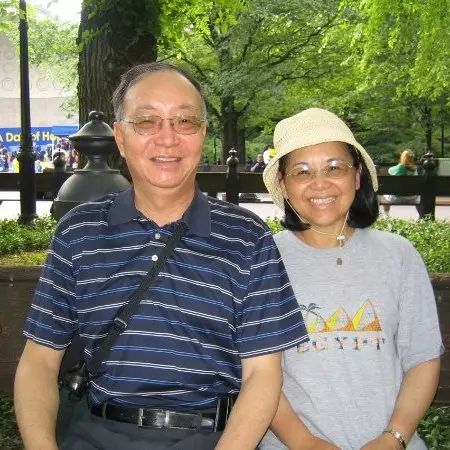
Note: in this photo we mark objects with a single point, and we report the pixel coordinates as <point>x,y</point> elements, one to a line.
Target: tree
<point>403,47</point>
<point>245,52</point>
<point>8,14</point>
<point>414,35</point>
<point>113,36</point>
<point>51,45</point>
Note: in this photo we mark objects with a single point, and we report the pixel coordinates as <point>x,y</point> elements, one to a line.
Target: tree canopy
<point>381,65</point>
<point>246,53</point>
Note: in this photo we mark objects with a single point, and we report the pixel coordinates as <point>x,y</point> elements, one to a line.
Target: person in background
<point>38,168</point>
<point>268,153</point>
<point>15,164</point>
<point>213,324</point>
<point>259,165</point>
<point>371,368</point>
<point>405,167</point>
<point>248,163</point>
<point>4,160</point>
<point>205,166</point>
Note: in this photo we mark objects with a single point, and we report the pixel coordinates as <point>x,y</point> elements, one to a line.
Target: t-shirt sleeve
<point>419,337</point>
<point>269,319</point>
<point>52,319</point>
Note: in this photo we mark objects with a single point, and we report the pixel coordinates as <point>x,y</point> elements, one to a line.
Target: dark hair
<point>133,75</point>
<point>363,211</point>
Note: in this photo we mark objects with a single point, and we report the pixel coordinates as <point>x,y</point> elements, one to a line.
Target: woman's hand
<point>384,442</point>
<point>315,443</point>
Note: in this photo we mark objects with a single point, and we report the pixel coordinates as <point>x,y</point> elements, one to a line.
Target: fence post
<point>232,179</point>
<point>428,195</point>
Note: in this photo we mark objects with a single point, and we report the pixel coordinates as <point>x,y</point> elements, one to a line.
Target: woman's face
<point>320,182</point>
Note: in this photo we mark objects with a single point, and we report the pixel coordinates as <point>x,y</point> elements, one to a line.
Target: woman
<point>405,167</point>
<point>371,368</point>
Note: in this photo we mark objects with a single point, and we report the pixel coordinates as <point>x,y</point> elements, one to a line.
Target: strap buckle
<point>120,324</point>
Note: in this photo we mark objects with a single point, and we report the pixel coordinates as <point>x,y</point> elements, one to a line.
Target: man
<point>259,166</point>
<point>213,323</point>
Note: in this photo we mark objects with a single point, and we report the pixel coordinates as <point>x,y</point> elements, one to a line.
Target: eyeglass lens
<point>146,125</point>
<point>334,170</point>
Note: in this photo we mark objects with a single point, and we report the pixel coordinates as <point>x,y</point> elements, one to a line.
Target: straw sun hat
<point>309,127</point>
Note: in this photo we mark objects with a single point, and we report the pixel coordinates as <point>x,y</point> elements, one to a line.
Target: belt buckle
<point>158,418</point>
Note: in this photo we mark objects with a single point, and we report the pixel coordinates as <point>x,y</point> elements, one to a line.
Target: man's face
<point>164,160</point>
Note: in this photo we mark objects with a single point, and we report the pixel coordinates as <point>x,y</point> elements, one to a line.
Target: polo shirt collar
<point>197,217</point>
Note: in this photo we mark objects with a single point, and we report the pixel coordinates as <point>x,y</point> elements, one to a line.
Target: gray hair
<point>133,75</point>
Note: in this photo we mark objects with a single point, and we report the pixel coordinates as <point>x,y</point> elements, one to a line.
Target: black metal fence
<point>233,182</point>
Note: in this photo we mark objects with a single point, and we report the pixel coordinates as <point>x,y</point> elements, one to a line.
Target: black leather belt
<point>157,418</point>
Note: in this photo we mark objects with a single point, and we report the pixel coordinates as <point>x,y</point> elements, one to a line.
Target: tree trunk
<point>428,128</point>
<point>426,121</point>
<point>113,45</point>
<point>240,146</point>
<point>229,126</point>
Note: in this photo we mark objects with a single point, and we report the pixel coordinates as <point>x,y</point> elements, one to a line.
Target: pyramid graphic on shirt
<point>315,323</point>
<point>366,319</point>
<point>340,321</point>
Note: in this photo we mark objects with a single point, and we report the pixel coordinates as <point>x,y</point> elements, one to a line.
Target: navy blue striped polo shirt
<point>222,295</point>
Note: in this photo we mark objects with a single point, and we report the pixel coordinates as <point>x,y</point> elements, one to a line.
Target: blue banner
<point>10,137</point>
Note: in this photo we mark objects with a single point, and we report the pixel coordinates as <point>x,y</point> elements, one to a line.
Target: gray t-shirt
<point>369,320</point>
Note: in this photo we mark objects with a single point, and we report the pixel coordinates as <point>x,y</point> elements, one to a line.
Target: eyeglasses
<point>148,125</point>
<point>334,170</point>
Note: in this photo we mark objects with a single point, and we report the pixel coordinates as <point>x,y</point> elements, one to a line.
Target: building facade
<point>46,99</point>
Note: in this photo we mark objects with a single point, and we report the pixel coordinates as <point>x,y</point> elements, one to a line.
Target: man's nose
<point>167,134</point>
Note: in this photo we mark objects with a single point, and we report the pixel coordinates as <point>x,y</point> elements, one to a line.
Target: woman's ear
<point>282,185</point>
<point>358,178</point>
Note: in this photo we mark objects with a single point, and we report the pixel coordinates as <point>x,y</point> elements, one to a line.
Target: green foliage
<point>435,428</point>
<point>274,225</point>
<point>18,238</point>
<point>405,36</point>
<point>246,53</point>
<point>9,434</point>
<point>8,13</point>
<point>29,244</point>
<point>430,238</point>
<point>51,46</point>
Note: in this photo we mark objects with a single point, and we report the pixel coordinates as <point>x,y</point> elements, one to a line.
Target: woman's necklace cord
<point>340,237</point>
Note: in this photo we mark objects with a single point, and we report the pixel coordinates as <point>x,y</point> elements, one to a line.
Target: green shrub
<point>9,434</point>
<point>29,244</point>
<point>435,428</point>
<point>430,238</point>
<point>15,238</point>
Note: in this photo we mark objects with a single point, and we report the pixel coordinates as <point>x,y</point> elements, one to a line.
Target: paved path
<point>11,209</point>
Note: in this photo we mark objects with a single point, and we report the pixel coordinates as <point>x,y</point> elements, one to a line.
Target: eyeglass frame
<point>199,122</point>
<point>316,172</point>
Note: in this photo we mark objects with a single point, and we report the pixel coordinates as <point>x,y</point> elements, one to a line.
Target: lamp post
<point>26,155</point>
<point>96,179</point>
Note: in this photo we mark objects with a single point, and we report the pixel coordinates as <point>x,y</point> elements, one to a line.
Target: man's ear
<point>118,136</point>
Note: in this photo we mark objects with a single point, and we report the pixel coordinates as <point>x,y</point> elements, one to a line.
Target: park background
<point>381,65</point>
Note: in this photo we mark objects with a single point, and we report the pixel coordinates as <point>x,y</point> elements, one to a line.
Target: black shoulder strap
<point>121,319</point>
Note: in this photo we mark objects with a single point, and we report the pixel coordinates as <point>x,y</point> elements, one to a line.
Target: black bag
<point>72,399</point>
